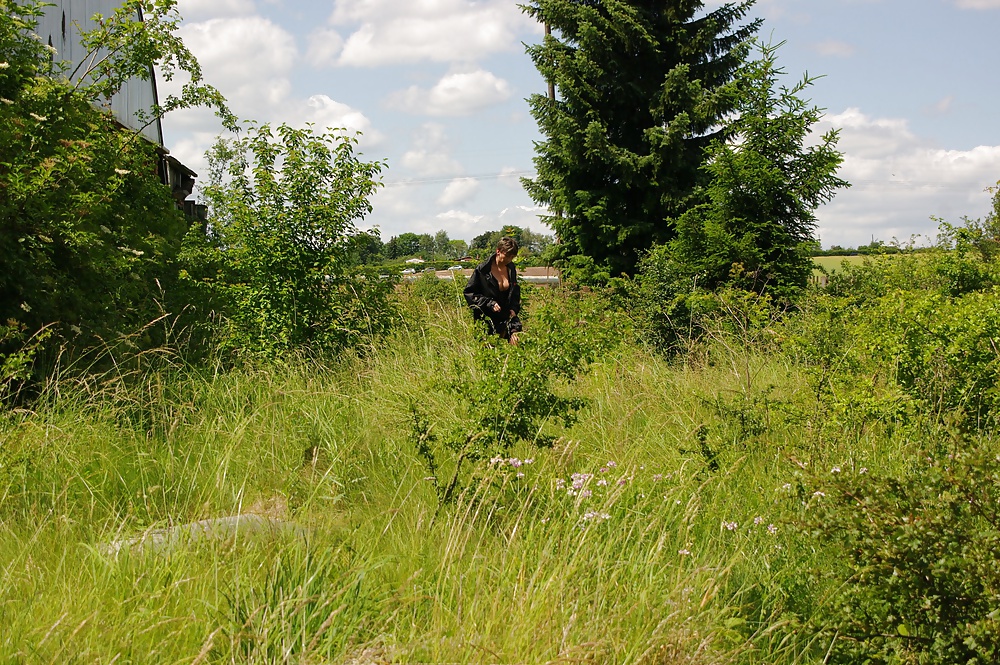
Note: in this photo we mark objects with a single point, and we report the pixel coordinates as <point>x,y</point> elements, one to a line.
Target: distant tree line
<point>876,247</point>
<point>371,250</point>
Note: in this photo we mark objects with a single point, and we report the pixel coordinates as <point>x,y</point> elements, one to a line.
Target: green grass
<point>834,263</point>
<point>672,560</point>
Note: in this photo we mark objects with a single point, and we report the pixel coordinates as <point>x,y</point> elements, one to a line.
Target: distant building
<point>58,28</point>
<point>414,261</point>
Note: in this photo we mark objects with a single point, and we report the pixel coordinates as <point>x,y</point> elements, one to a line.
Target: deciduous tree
<point>284,204</point>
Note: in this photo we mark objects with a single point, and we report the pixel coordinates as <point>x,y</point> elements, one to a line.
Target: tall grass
<point>677,545</point>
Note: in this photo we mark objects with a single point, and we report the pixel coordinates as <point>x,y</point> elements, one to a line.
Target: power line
<point>866,183</point>
<point>916,184</point>
<point>482,176</point>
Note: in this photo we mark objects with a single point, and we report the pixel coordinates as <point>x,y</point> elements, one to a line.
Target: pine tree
<point>643,88</point>
<point>757,229</point>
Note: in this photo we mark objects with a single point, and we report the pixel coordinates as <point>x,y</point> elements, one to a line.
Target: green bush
<point>89,236</point>
<point>909,333</point>
<point>916,577</point>
<point>279,255</point>
<point>446,291</point>
<point>511,393</point>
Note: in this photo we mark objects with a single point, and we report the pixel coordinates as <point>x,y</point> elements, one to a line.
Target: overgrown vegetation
<point>89,237</point>
<point>793,488</point>
<point>676,469</point>
<point>278,254</point>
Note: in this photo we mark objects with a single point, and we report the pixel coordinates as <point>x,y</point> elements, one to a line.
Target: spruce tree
<point>643,88</point>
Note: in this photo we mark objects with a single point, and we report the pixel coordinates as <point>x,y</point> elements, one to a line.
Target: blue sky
<point>438,88</point>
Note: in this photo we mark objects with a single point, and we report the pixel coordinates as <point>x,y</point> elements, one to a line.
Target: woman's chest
<point>500,279</point>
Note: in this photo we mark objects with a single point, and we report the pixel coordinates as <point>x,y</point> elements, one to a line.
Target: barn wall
<point>58,27</point>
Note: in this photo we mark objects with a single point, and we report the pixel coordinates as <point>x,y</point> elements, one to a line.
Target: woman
<point>494,294</point>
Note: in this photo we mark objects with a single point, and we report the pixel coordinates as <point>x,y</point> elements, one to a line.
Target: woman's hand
<point>496,307</point>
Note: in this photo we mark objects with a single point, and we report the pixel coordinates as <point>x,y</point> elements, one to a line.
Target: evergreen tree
<point>643,88</point>
<point>756,231</point>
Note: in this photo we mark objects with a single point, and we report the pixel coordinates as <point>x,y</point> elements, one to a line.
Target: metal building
<point>60,28</point>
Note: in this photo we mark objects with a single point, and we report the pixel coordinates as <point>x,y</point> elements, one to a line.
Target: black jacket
<point>482,291</point>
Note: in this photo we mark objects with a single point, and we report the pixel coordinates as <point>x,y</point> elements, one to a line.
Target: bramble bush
<point>915,575</point>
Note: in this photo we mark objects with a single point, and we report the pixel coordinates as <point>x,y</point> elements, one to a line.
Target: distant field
<point>831,263</point>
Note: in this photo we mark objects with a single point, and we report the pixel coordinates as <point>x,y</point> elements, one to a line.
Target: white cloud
<point>459,223</point>
<point>326,113</point>
<point>394,202</point>
<point>430,155</point>
<point>834,48</point>
<point>193,10</point>
<point>324,45</point>
<point>943,106</point>
<point>899,181</point>
<point>456,94</point>
<point>978,4</point>
<point>526,217</point>
<point>248,58</point>
<point>458,191</point>
<point>430,163</point>
<point>191,152</point>
<point>388,31</point>
<point>510,177</point>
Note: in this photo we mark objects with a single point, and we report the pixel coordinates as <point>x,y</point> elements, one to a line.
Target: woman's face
<point>503,258</point>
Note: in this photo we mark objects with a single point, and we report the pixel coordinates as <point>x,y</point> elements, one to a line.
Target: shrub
<point>509,396</point>
<point>917,581</point>
<point>284,205</point>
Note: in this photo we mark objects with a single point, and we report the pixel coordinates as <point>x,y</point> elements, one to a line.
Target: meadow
<point>834,263</point>
<point>708,507</point>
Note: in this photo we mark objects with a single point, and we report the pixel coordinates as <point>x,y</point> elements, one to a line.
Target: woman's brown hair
<point>507,246</point>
